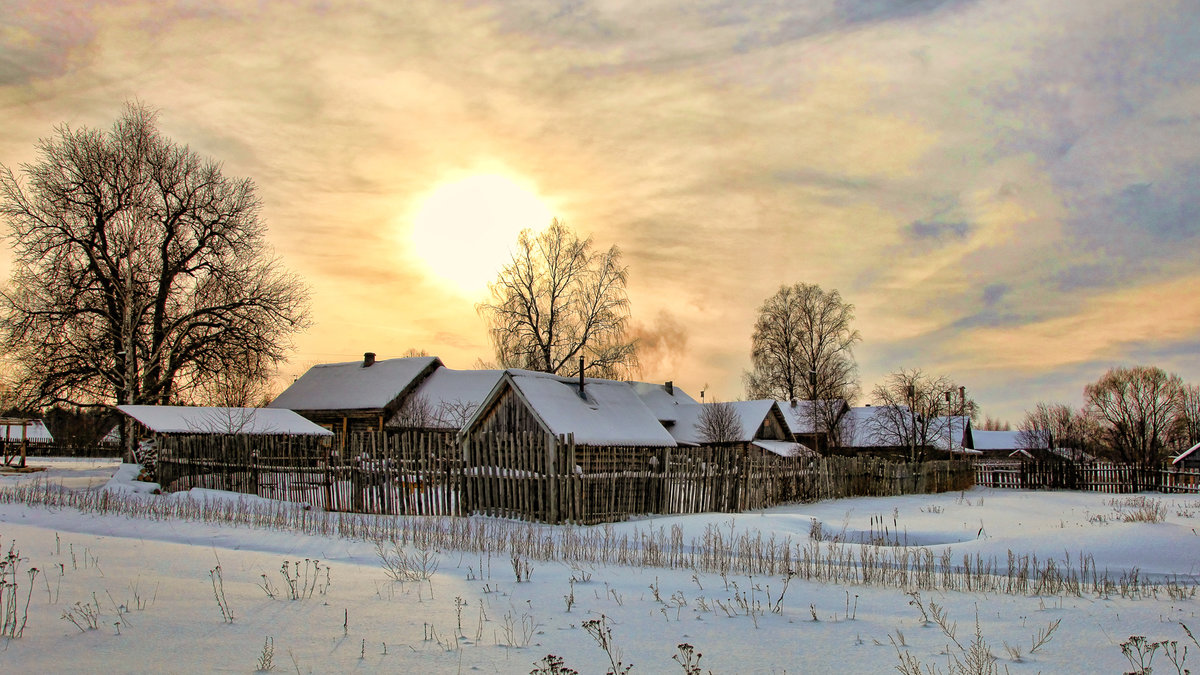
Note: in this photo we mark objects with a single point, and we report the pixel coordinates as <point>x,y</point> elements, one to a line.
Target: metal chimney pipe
<point>581,392</point>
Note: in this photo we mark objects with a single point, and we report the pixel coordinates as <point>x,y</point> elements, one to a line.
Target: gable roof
<point>750,413</point>
<point>941,429</point>
<point>351,386</point>
<point>179,419</point>
<point>663,403</point>
<point>35,431</point>
<point>800,414</point>
<point>996,440</point>
<point>452,395</point>
<point>860,426</point>
<point>1187,453</point>
<point>609,413</point>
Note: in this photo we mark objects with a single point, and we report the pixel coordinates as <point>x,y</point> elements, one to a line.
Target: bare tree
<point>719,423</point>
<point>803,348</point>
<point>990,424</point>
<point>911,411</point>
<point>1059,427</point>
<point>558,300</point>
<point>417,412</point>
<point>1187,428</point>
<point>140,271</point>
<point>1138,407</point>
<point>454,414</point>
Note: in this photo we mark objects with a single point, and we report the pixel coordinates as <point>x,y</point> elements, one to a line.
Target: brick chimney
<point>368,359</point>
<point>670,386</point>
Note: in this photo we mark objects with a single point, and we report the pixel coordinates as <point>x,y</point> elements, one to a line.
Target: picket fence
<point>530,476</point>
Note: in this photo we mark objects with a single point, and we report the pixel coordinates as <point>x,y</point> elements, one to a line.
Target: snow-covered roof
<point>35,432</point>
<point>941,429</point>
<point>786,448</point>
<point>861,426</point>
<point>610,413</point>
<point>996,440</point>
<point>800,414</point>
<point>351,386</point>
<point>452,395</point>
<point>173,419</point>
<point>750,413</point>
<point>663,402</point>
<point>1186,453</point>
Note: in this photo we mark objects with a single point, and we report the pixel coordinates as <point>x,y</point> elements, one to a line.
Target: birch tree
<point>560,299</point>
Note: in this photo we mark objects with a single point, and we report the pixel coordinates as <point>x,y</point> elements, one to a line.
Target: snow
<point>860,422</point>
<point>785,448</point>
<point>350,386</point>
<point>35,431</point>
<point>155,578</point>
<point>663,403</point>
<point>799,414</point>
<point>455,390</point>
<point>611,413</point>
<point>996,440</point>
<point>750,413</point>
<point>173,419</point>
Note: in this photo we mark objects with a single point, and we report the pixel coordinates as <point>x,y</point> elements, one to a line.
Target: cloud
<point>662,345</point>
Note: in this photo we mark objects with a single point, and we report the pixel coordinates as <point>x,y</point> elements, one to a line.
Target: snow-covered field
<point>148,586</point>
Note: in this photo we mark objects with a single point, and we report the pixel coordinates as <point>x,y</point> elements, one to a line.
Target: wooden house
<point>358,395</point>
<point>816,424</point>
<point>995,443</point>
<point>554,448</point>
<point>762,427</point>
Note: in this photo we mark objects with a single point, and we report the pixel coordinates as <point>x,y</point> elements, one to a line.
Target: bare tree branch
<point>140,271</point>
<point>559,300</point>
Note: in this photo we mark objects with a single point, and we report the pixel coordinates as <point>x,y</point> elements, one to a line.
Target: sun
<point>464,230</point>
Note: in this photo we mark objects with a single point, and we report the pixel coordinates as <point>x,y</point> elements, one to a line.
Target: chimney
<point>368,359</point>
<point>670,385</point>
<point>581,392</point>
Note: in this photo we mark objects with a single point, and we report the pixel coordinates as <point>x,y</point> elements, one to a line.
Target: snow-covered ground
<point>150,585</point>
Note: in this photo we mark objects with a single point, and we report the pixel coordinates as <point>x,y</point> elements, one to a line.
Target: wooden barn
<point>356,396</point>
<point>553,448</point>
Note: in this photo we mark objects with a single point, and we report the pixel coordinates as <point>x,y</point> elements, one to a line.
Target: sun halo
<point>464,230</point>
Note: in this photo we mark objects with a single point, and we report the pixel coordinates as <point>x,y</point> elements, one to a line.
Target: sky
<point>1007,191</point>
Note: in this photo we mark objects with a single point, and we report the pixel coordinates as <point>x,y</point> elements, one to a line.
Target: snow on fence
<point>531,476</point>
<point>1091,477</point>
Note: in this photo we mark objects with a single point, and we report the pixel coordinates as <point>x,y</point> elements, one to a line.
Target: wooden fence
<point>38,449</point>
<point>530,476</point>
<point>1090,477</point>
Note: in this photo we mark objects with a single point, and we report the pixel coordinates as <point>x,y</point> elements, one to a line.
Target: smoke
<point>662,344</point>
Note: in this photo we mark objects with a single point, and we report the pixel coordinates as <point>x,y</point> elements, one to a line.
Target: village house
<point>761,426</point>
<point>358,395</point>
<point>816,424</point>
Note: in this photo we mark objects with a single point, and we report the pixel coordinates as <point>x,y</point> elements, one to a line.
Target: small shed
<point>198,420</point>
<point>15,436</point>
